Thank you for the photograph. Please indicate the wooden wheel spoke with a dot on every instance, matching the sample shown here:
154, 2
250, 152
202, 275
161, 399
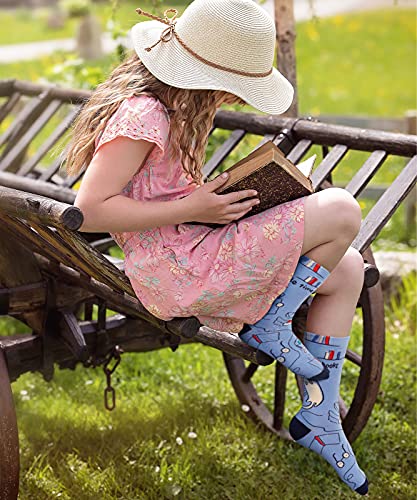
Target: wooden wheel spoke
249, 372
342, 408
279, 397
354, 357
9, 440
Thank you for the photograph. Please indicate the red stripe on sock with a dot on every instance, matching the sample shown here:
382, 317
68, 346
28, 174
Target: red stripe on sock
316, 268
257, 339
319, 440
331, 355
327, 340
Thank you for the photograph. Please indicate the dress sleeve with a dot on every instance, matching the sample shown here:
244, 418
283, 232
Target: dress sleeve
138, 117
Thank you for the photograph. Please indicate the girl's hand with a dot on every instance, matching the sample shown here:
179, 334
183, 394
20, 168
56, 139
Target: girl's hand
204, 205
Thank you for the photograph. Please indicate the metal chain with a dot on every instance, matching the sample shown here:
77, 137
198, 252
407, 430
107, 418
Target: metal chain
109, 392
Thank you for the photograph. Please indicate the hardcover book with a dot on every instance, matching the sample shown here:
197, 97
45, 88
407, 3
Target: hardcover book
276, 179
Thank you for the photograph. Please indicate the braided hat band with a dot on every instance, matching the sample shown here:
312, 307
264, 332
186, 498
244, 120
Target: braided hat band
167, 34
226, 45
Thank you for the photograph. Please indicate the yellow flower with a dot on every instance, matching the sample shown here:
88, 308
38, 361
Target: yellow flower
298, 213
312, 33
338, 20
278, 217
271, 231
353, 26
176, 269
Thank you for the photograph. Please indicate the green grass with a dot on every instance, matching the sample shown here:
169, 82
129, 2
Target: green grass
362, 63
71, 447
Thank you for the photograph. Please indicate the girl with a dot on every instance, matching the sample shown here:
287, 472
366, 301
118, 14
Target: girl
143, 136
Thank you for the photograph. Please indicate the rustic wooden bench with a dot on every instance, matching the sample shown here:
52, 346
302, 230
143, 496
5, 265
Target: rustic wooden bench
61, 283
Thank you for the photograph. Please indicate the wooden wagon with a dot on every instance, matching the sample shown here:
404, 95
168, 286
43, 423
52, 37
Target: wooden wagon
51, 275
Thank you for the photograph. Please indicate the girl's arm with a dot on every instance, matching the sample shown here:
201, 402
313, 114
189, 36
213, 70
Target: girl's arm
105, 210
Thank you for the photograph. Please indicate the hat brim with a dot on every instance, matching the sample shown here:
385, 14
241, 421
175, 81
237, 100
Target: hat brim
171, 63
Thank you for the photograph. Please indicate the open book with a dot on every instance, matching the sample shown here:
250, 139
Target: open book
276, 179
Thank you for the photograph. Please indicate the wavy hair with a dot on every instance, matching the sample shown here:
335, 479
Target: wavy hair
191, 114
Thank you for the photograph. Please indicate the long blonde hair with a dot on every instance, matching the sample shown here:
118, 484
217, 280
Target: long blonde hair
191, 115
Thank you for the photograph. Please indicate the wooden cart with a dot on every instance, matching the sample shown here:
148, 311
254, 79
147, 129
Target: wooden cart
51, 275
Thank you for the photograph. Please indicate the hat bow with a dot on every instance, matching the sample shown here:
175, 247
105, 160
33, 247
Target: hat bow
167, 34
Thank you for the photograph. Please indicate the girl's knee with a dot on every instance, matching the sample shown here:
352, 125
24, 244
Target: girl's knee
347, 212
351, 268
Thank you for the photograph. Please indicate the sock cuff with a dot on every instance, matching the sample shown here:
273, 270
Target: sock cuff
326, 347
314, 266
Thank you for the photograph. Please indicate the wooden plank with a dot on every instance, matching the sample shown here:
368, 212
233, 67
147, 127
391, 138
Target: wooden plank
48, 144
385, 207
70, 181
223, 151
36, 186
39, 209
8, 106
18, 266
368, 122
23, 122
299, 150
34, 241
320, 133
12, 160
328, 164
64, 94
231, 343
358, 182
7, 87
83, 256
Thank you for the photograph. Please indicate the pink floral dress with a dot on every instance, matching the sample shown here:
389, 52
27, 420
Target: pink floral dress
225, 276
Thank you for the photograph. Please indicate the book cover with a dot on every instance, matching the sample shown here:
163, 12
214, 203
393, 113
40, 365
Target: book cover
276, 178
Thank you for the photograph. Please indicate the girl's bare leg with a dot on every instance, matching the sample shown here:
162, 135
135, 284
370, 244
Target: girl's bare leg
332, 310
335, 215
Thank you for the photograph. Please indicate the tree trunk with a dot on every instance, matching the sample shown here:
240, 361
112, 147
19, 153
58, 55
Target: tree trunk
286, 64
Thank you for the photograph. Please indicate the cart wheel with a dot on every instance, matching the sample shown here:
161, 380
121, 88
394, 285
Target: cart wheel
9, 442
270, 413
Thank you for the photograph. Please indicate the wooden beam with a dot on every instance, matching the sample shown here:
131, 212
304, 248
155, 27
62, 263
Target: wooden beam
39, 209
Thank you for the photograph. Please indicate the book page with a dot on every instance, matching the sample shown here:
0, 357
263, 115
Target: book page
306, 166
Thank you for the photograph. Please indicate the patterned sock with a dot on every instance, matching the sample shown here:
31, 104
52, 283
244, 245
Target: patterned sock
273, 333
317, 425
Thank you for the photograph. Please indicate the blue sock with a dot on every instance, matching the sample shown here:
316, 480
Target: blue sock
317, 425
273, 333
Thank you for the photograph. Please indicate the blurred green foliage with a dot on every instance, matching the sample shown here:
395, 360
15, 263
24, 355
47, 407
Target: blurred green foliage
76, 8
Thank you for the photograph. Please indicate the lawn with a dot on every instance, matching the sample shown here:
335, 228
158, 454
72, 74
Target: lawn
178, 430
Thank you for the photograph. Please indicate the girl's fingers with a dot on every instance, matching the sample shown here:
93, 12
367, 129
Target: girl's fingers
237, 195
239, 207
236, 215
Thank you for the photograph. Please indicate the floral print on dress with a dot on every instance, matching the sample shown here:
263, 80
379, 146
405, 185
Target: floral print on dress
226, 276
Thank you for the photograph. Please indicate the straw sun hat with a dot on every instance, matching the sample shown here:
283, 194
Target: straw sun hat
216, 44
